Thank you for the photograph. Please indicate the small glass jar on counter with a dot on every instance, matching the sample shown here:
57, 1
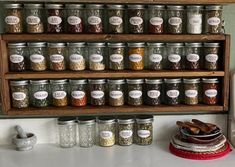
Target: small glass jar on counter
75, 18
40, 93
155, 56
211, 90
211, 53
37, 56
191, 91
59, 90
17, 54
193, 56
213, 19
107, 131
97, 92
156, 16
125, 130
86, 131
116, 19
153, 91
95, 16
136, 16
77, 56
172, 91
67, 131
78, 91
175, 17
55, 18
194, 19
96, 52
134, 89
13, 18
34, 18
116, 53
136, 52
19, 94
144, 130
174, 56
116, 92
57, 56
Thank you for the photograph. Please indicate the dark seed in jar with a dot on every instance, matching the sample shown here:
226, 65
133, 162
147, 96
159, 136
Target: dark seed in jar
136, 21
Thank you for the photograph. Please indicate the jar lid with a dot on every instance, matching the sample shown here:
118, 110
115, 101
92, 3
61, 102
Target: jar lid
141, 119
156, 44
214, 7
74, 6
153, 81
140, 44
125, 119
116, 45
116, 81
193, 44
66, 120
115, 6
16, 45
54, 6
86, 120
135, 81
135, 6
173, 80
77, 44
95, 6
59, 81
174, 44
33, 6
171, 7
194, 7
78, 81
96, 44
211, 44
157, 7
96, 81
12, 5
39, 82
191, 80
55, 45
19, 83
106, 119
36, 44
210, 80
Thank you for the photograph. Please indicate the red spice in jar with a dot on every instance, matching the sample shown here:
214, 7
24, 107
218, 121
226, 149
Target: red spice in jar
79, 102
210, 91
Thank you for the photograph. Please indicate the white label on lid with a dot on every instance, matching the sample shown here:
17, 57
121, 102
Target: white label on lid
116, 58
40, 95
59, 94
115, 20
126, 134
97, 94
36, 58
211, 92
196, 20
135, 58
78, 94
173, 93
136, 21
214, 21
56, 58
192, 57
16, 58
33, 20
174, 58
135, 94
115, 94
54, 20
212, 58
18, 96
74, 20
12, 20
76, 58
144, 133
156, 21
191, 93
96, 58
106, 134
175, 21
153, 93
94, 20
156, 58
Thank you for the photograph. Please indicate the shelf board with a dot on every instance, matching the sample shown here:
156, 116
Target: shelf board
112, 37
112, 74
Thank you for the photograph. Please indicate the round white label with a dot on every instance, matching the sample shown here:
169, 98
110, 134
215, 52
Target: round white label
135, 94
33, 20
192, 57
175, 21
174, 58
212, 58
156, 21
96, 58
54, 20
115, 20
211, 93
173, 93
18, 96
116, 58
97, 94
16, 58
56, 58
214, 21
153, 93
59, 94
94, 20
196, 20
126, 133
74, 20
136, 21
135, 58
36, 58
115, 94
78, 94
76, 58
191, 93
144, 133
156, 58
40, 95
12, 20
106, 134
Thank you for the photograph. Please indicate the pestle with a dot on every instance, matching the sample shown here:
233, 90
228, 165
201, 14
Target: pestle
20, 132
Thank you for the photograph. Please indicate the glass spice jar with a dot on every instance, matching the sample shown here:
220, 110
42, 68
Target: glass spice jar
67, 131
86, 131
59, 90
57, 56
116, 92
13, 18
136, 19
174, 56
97, 92
116, 19
34, 18
211, 53
19, 94
96, 53
172, 91
156, 14
75, 18
95, 16
191, 91
136, 53
153, 91
40, 93
116, 53
55, 18
193, 56
144, 130
213, 19
107, 131
17, 53
125, 130
77, 56
211, 89
155, 56
78, 89
37, 56
135, 88
175, 17
194, 19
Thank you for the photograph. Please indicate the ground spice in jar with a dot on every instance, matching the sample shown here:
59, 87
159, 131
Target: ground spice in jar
116, 92
172, 91
136, 53
155, 56
96, 53
174, 56
193, 56
156, 19
116, 19
59, 89
135, 92
191, 89
175, 16
97, 92
125, 130
116, 53
213, 19
153, 92
78, 92
211, 59
194, 19
136, 19
210, 88
57, 55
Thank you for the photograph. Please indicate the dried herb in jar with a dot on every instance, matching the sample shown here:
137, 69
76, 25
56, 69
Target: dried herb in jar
96, 53
97, 92
211, 53
156, 19
136, 19
135, 92
172, 91
191, 89
213, 22
125, 130
57, 55
59, 90
153, 91
116, 19
116, 92
155, 56
193, 56
136, 56
210, 88
116, 53
174, 56
175, 16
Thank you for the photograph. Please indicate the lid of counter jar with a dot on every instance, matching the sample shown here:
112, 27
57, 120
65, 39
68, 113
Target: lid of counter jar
55, 45
59, 81
78, 81
116, 45
191, 80
74, 6
156, 7
96, 44
76, 44
140, 44
115, 6
36, 44
135, 6
95, 6
19, 83
12, 5
153, 81
66, 120
174, 44
106, 119
193, 44
116, 81
210, 80
86, 120
173, 80
211, 44
54, 6
173, 7
135, 81
214, 7
33, 6
156, 44
125, 119
39, 82
16, 45
141, 119
96, 81
192, 7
